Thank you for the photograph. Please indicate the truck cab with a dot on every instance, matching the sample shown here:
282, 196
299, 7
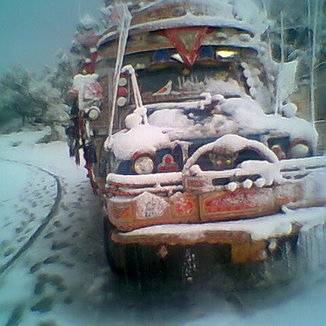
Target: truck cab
193, 144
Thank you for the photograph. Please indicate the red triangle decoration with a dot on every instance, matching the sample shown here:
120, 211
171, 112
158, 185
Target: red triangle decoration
187, 41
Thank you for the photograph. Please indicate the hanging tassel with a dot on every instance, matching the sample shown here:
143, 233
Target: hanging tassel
91, 178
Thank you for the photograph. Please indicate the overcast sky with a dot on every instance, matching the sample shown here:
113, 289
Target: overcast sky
32, 32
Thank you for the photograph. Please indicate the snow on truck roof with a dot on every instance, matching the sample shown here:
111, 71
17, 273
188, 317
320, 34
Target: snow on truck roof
158, 15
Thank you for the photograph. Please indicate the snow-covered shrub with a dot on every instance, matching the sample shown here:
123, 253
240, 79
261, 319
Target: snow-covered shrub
16, 95
31, 99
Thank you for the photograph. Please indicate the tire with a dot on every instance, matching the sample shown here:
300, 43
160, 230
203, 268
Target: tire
140, 262
115, 253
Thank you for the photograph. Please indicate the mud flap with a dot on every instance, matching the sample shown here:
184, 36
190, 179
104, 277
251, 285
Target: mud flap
246, 251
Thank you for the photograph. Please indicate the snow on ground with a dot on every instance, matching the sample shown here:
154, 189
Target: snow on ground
304, 309
29, 200
54, 271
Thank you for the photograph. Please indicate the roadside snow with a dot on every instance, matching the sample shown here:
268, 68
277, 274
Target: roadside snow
31, 193
303, 310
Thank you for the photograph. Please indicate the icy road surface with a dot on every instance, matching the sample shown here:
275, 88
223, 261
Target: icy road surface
61, 277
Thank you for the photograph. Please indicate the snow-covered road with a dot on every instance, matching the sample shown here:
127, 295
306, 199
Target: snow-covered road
29, 199
62, 278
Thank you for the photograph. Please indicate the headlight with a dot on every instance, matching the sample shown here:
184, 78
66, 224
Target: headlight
299, 151
143, 165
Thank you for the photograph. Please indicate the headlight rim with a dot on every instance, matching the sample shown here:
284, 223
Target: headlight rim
139, 156
298, 142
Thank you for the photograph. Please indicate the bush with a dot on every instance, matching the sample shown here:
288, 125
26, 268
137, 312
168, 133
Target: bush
33, 100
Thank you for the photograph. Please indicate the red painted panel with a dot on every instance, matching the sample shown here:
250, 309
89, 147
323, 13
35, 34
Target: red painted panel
187, 41
242, 203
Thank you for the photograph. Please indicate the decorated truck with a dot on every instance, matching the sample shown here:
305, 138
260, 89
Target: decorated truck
191, 140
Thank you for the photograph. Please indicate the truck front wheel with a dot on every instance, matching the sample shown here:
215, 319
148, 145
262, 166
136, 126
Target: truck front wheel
115, 253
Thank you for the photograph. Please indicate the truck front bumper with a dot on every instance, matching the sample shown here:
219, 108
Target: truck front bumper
250, 239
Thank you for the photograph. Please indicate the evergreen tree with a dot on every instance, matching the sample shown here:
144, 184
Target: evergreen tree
17, 96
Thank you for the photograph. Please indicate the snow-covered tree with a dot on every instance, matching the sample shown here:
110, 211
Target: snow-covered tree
303, 23
298, 32
17, 95
32, 99
61, 77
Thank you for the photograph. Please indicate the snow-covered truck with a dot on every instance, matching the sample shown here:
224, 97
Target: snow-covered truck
191, 139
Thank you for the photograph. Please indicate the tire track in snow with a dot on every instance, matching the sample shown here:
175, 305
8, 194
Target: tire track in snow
46, 221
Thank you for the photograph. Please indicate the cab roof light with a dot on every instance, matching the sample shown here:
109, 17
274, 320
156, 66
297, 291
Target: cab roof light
225, 54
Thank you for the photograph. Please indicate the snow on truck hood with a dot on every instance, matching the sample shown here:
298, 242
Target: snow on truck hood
250, 118
242, 116
144, 138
